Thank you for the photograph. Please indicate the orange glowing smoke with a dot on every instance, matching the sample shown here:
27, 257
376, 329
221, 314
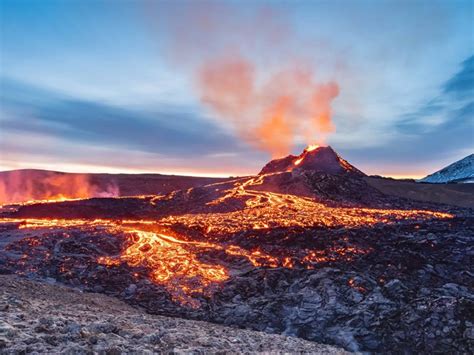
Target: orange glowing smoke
29, 185
253, 72
269, 116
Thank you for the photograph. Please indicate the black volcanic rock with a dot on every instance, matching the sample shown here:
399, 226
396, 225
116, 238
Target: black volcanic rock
411, 291
321, 159
279, 165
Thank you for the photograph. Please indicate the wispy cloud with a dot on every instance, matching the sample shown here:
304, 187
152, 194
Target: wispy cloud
461, 85
450, 109
440, 130
50, 124
29, 109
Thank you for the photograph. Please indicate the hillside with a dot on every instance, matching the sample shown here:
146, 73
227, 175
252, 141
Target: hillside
461, 171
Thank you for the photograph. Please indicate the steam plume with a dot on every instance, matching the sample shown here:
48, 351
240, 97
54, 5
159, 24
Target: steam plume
252, 75
28, 185
268, 114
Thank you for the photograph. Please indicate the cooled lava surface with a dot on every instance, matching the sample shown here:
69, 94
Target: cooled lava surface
314, 253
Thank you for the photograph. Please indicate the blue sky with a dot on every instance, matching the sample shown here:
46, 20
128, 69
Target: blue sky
96, 85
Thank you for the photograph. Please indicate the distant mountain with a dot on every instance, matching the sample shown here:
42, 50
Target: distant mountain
313, 158
461, 171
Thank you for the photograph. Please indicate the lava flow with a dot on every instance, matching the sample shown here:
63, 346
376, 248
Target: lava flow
192, 242
173, 262
188, 267
309, 148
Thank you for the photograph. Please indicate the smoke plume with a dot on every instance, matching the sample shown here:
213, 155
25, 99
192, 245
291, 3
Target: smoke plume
269, 114
252, 74
29, 185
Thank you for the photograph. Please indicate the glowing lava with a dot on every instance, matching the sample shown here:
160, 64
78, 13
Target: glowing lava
311, 147
171, 264
308, 149
298, 161
172, 261
192, 254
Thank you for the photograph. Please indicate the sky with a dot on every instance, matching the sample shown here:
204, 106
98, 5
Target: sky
117, 86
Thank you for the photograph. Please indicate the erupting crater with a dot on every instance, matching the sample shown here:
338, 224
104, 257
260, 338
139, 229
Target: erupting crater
314, 158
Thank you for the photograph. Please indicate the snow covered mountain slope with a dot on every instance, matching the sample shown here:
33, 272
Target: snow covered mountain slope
461, 171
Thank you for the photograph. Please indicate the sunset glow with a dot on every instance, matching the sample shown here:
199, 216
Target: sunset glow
172, 107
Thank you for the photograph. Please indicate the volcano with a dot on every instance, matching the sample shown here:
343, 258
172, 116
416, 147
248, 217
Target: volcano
313, 158
317, 173
306, 248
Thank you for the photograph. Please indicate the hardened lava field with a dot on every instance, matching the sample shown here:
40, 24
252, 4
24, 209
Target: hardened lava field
269, 253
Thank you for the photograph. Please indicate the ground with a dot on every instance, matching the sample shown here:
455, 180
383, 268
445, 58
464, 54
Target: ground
323, 257
31, 320
453, 194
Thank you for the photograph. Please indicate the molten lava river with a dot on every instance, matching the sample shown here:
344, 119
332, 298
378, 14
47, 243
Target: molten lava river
191, 255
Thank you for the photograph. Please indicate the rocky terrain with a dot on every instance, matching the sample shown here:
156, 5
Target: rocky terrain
303, 252
49, 318
404, 286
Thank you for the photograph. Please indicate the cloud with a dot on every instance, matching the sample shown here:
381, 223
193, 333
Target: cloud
462, 84
452, 108
46, 129
173, 132
439, 131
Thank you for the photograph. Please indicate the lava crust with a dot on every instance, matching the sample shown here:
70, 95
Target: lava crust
321, 256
